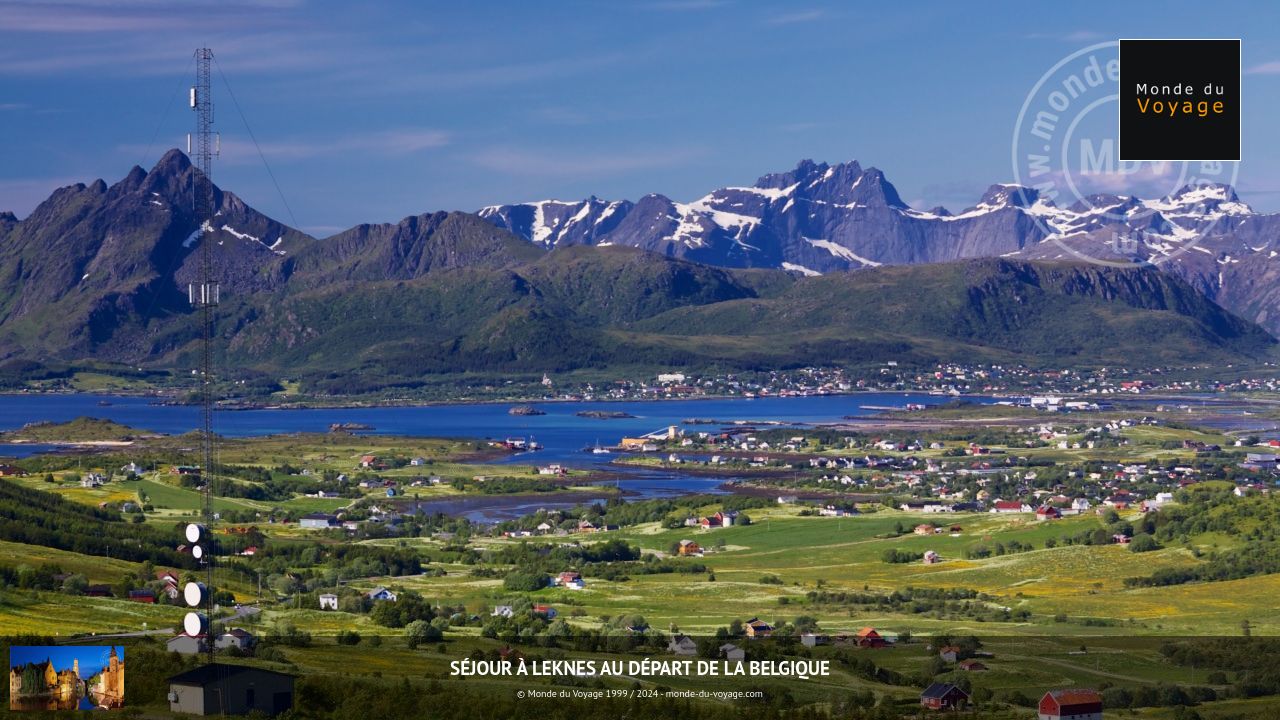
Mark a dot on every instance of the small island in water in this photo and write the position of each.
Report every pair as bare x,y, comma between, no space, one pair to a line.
604,414
525,410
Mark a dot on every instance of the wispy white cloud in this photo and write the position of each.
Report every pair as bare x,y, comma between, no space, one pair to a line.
128,16
560,115
1266,68
1068,36
803,126
801,16
683,5
168,52
553,164
1147,180
236,151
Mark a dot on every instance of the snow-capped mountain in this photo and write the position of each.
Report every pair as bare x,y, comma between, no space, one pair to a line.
820,218
815,218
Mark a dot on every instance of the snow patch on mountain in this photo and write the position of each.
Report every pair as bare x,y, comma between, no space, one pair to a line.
800,269
841,251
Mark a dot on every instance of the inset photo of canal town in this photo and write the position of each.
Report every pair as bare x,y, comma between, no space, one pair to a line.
663,359
66,677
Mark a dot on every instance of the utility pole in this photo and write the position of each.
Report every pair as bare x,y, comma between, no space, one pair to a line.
204,295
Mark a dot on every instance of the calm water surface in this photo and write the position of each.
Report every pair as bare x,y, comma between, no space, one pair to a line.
566,438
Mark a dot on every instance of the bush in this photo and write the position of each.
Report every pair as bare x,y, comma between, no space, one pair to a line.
524,581
1143,543
900,556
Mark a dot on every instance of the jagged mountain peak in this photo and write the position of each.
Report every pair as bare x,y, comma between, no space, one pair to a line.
1203,193
173,162
1009,195
1114,205
804,171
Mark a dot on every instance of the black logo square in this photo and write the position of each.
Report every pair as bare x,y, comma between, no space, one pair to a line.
1179,100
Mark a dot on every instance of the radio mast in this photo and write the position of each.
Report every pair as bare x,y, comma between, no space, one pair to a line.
204,296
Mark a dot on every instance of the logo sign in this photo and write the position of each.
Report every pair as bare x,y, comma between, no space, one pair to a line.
1180,100
1090,203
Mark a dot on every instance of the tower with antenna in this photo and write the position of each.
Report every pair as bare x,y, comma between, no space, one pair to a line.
203,296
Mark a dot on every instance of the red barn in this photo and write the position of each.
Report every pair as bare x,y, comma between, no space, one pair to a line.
868,637
1048,512
1071,704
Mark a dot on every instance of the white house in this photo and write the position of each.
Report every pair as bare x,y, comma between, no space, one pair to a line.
381,593
235,638
505,611
185,644
328,601
317,521
732,652
682,645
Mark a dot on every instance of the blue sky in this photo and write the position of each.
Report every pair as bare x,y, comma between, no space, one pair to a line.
92,657
368,112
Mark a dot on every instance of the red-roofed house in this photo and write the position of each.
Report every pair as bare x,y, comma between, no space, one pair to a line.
868,637
1071,704
1048,512
1009,506
571,580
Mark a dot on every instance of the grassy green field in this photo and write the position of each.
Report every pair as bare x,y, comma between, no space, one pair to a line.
834,554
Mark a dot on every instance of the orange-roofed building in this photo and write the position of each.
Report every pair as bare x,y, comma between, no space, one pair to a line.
868,637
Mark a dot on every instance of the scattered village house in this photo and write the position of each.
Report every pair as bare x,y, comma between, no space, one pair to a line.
720,519
185,644
943,696
328,601
813,639
682,645
236,638
1071,704
170,581
870,638
381,593
317,521
729,651
570,580
757,628
689,547
219,689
